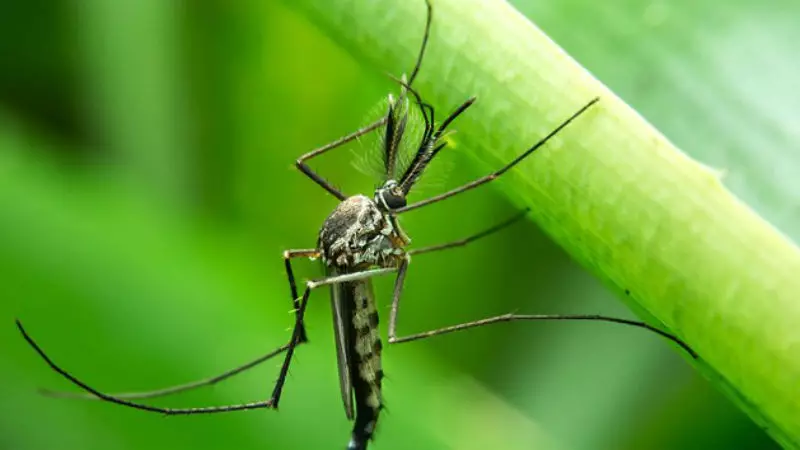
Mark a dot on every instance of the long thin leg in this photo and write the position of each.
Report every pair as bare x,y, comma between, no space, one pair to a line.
173,389
399,283
271,403
303,167
287,262
467,240
401,274
287,256
499,172
428,20
130,404
393,339
311,285
398,290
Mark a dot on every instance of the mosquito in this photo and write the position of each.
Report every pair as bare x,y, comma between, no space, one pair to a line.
362,239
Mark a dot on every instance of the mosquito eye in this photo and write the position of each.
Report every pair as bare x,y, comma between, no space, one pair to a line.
394,201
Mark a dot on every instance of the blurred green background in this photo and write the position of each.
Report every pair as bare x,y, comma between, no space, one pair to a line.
147,192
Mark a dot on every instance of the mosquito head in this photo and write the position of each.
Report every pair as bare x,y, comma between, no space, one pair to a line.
390,196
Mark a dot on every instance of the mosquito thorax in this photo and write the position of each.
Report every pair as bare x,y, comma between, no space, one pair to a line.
359,234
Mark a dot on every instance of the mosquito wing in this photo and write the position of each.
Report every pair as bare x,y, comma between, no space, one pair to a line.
341,304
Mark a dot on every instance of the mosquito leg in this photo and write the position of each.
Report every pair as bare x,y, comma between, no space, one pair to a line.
467,240
399,282
499,172
128,403
310,286
272,403
287,255
401,274
428,20
173,389
287,262
398,285
540,317
303,167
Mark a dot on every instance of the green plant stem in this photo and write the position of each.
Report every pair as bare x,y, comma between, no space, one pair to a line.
616,194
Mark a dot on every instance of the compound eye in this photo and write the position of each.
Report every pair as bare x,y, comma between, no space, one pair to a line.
394,201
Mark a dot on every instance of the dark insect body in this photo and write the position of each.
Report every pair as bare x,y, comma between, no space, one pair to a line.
355,237
361,239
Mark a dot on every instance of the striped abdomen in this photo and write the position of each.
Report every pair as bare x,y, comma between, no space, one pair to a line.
365,366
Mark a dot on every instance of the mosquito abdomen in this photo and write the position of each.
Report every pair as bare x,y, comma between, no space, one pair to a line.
366,371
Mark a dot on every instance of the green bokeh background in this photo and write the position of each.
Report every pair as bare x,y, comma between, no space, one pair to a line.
147,191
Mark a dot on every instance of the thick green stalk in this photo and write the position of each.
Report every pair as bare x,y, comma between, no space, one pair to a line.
621,199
